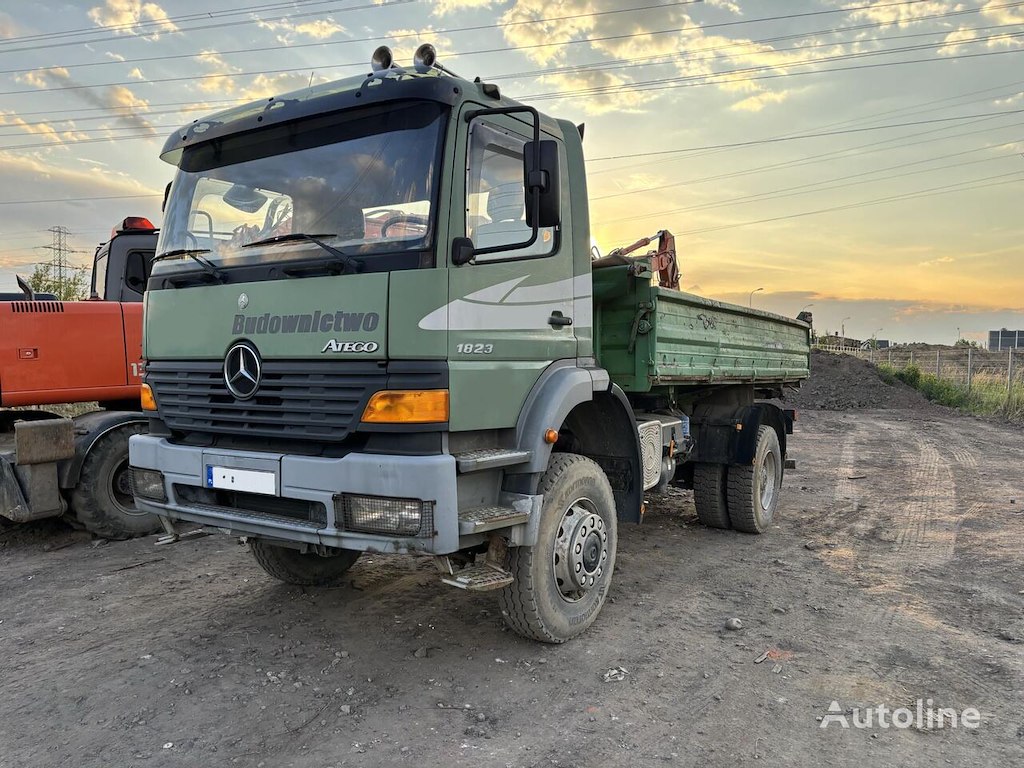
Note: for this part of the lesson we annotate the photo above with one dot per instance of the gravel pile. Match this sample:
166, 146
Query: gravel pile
844, 382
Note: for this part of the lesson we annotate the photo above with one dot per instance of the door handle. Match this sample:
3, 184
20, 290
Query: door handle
558, 320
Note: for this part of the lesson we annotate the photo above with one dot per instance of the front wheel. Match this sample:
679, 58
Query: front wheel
753, 489
304, 569
561, 582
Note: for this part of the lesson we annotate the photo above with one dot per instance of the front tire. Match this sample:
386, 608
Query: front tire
754, 490
303, 569
102, 500
561, 582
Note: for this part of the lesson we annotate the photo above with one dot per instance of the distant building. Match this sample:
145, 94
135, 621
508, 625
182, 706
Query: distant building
1004, 339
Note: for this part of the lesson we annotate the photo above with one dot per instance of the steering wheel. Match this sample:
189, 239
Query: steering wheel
402, 218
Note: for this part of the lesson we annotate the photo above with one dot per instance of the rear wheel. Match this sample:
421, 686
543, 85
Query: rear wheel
561, 582
754, 490
304, 569
710, 495
102, 500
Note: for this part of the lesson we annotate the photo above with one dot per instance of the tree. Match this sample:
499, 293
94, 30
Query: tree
961, 342
71, 288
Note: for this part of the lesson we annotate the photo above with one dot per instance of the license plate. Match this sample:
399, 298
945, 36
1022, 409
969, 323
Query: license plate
247, 480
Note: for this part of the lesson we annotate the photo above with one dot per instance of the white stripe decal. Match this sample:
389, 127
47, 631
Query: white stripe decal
508, 307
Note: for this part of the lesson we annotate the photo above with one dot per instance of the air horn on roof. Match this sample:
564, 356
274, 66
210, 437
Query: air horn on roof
424, 60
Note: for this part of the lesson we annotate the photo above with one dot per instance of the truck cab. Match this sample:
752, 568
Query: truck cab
374, 326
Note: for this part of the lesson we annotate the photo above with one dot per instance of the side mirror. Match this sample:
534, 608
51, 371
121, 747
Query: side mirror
540, 174
462, 251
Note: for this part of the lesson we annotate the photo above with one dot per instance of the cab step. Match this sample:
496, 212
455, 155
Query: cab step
490, 458
479, 578
482, 519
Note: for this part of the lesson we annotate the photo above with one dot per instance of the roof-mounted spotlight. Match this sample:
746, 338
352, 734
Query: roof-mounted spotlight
382, 59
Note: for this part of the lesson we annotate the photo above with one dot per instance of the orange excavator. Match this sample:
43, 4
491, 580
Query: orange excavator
58, 352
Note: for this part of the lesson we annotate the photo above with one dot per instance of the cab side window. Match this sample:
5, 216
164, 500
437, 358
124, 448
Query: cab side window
136, 270
100, 270
496, 196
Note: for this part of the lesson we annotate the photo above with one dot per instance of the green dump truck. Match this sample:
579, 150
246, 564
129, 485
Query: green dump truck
374, 324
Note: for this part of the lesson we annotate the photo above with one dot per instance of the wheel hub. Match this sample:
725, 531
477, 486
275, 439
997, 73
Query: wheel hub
767, 481
581, 549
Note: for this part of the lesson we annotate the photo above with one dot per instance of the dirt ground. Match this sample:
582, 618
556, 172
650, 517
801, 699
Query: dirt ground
894, 574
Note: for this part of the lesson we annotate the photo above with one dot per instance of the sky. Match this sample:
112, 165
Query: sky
864, 159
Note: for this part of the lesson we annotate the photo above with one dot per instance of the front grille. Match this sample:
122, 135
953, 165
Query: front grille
320, 400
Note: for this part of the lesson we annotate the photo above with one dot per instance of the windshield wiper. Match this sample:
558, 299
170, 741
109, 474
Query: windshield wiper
194, 253
342, 264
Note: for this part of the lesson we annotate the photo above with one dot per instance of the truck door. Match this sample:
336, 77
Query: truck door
509, 312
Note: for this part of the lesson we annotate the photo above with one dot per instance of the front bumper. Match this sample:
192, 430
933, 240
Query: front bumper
314, 479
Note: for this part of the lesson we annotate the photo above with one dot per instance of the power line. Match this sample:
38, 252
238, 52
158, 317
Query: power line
671, 83
115, 38
933, 191
129, 26
826, 185
454, 30
808, 135
518, 48
79, 199
810, 160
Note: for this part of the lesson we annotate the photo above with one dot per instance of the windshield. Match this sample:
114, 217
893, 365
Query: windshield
363, 181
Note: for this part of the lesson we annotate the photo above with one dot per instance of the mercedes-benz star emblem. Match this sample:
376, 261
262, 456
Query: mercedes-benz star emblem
242, 371
243, 300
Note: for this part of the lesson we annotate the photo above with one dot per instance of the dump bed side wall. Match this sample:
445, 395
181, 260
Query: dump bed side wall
650, 336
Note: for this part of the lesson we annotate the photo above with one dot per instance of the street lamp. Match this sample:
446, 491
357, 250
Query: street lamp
751, 302
807, 307
842, 327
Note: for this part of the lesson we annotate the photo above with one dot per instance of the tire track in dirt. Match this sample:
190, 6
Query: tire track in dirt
925, 507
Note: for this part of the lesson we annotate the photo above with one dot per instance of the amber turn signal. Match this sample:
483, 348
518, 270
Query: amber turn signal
407, 406
551, 436
148, 398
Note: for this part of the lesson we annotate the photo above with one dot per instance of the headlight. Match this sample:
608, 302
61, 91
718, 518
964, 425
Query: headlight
148, 484
394, 517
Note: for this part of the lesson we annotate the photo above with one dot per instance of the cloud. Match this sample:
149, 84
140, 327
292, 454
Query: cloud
444, 7
317, 29
728, 5
7, 26
934, 262
133, 17
45, 130
122, 103
759, 101
1002, 12
40, 78
951, 44
136, 74
888, 14
644, 63
114, 56
217, 66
